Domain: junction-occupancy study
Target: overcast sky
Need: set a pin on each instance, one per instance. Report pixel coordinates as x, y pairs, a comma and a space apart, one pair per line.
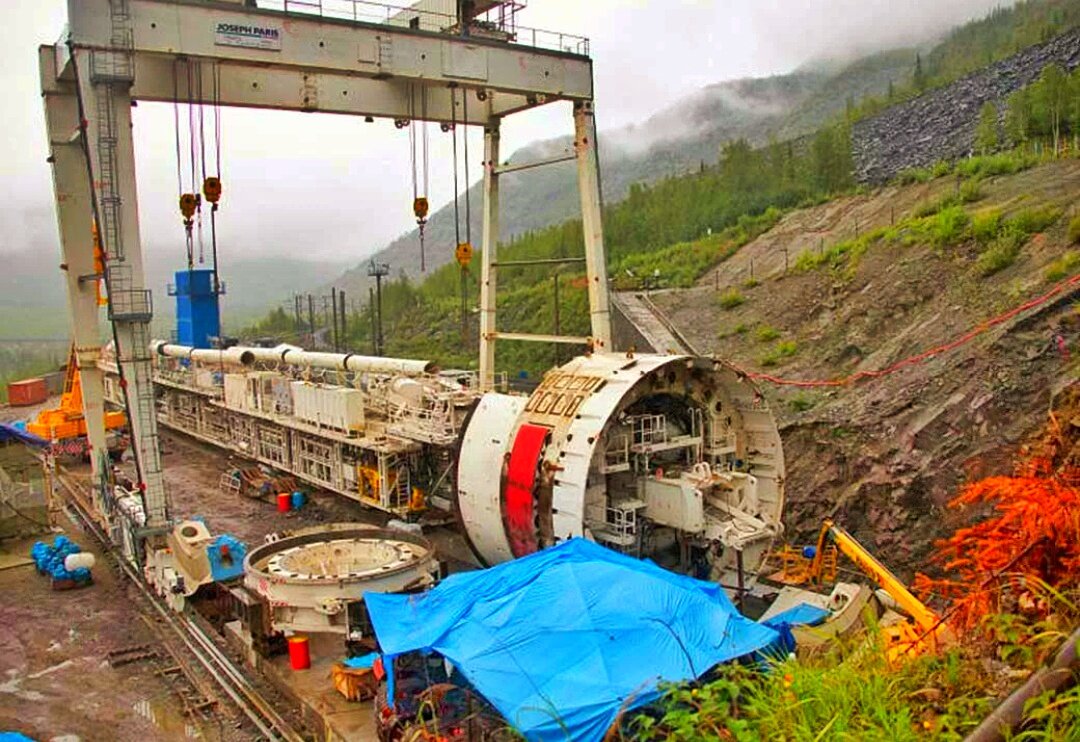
324, 186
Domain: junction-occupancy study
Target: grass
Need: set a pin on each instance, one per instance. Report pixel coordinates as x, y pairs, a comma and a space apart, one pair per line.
730, 298
766, 333
1074, 230
1036, 219
932, 206
800, 402
985, 226
1002, 251
848, 691
1005, 241
981, 166
1063, 267
941, 223
825, 697
948, 226
783, 350
971, 191
1003, 163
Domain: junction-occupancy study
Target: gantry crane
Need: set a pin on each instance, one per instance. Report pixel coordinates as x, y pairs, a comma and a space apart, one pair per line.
473, 67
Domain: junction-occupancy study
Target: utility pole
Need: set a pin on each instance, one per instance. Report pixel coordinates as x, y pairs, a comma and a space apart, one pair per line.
378, 271
333, 302
374, 322
341, 315
311, 321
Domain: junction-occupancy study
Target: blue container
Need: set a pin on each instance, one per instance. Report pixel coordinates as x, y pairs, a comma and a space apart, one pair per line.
198, 316
298, 500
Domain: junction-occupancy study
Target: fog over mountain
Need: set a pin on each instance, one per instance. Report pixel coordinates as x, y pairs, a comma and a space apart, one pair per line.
334, 190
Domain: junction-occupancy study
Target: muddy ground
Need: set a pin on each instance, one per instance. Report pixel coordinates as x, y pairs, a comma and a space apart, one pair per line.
55, 681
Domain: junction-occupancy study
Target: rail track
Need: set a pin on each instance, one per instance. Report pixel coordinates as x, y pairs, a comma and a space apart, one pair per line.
226, 675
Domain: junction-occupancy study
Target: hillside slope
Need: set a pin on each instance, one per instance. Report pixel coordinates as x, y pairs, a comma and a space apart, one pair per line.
689, 133
676, 140
883, 456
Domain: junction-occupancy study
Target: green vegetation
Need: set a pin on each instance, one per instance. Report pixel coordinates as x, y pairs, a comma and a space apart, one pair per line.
1001, 253
943, 223
1035, 220
1074, 230
986, 133
1063, 267
25, 360
1045, 110
801, 402
851, 692
784, 349
985, 226
766, 333
971, 191
730, 298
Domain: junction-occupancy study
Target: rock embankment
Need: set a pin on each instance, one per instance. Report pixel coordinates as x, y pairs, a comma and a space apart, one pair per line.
941, 123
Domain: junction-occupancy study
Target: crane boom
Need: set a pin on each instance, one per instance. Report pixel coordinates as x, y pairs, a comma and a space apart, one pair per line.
903, 639
925, 617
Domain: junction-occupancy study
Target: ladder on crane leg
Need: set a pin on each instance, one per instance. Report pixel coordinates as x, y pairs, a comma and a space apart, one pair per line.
130, 306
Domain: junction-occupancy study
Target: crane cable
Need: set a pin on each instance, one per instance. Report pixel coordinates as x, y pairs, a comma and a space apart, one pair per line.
193, 69
187, 198
212, 183
463, 250
420, 199
191, 199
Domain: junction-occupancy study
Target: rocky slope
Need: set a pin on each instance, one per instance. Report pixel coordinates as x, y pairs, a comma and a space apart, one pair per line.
940, 125
885, 456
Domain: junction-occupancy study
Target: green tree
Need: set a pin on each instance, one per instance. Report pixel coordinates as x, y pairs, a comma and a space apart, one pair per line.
1074, 107
1051, 101
1018, 117
986, 133
919, 76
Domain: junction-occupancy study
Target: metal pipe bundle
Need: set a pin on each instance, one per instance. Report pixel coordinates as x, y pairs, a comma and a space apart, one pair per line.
293, 356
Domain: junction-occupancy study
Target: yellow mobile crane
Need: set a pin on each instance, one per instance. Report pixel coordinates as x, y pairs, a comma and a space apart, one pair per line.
925, 632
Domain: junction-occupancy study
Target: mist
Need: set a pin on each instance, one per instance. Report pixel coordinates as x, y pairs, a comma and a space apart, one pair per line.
324, 187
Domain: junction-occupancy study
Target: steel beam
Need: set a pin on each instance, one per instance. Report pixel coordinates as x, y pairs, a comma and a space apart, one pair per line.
73, 215
341, 65
530, 337
592, 223
515, 167
488, 272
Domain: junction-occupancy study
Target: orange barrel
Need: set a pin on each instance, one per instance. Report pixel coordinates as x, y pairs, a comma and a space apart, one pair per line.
299, 653
284, 502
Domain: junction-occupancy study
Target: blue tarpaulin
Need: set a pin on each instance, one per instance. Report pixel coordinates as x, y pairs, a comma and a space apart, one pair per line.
12, 431
561, 641
803, 614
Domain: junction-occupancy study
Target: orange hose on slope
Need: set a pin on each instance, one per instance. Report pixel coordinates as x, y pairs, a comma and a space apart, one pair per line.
912, 360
